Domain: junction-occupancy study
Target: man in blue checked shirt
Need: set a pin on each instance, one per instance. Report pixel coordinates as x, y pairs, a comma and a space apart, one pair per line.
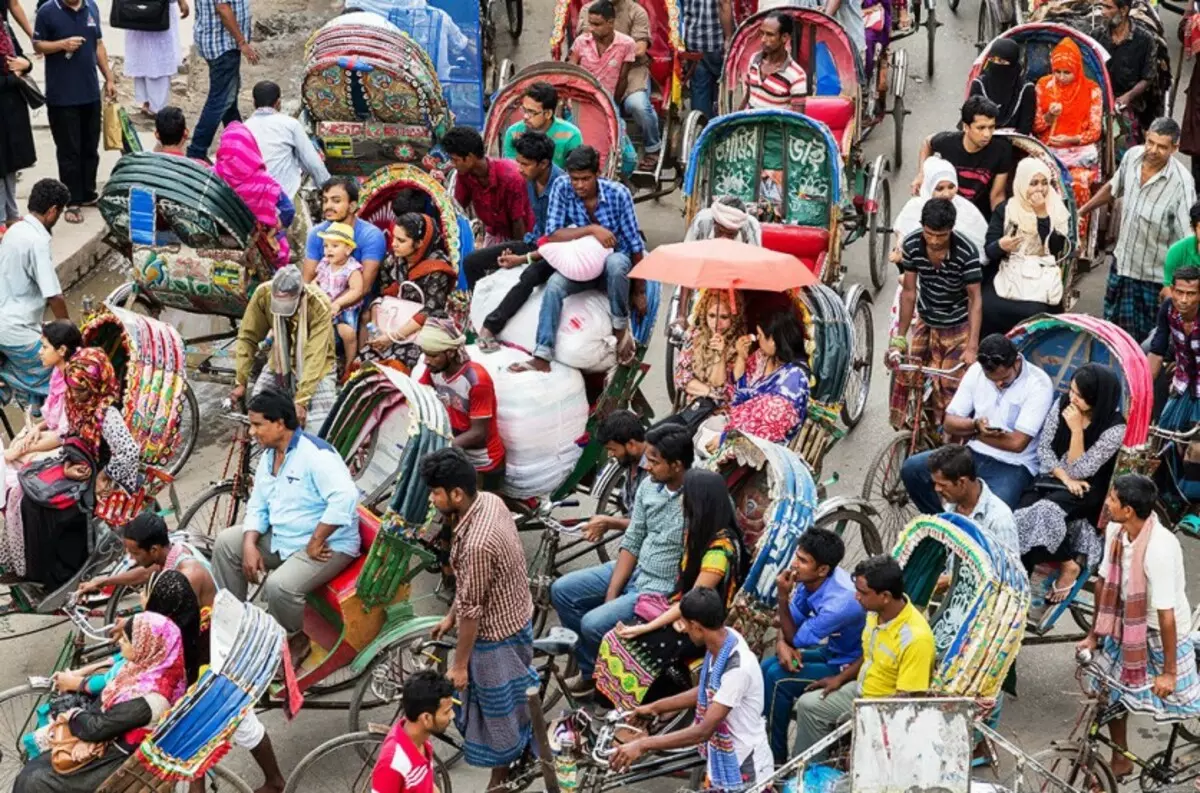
301, 521
580, 205
222, 37
820, 629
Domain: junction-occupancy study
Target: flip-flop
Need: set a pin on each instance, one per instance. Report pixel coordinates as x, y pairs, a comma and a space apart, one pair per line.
487, 343
1058, 594
73, 212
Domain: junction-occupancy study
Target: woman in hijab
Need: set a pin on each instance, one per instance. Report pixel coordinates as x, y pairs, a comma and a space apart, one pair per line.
421, 259
240, 163
1070, 108
56, 539
1033, 223
151, 679
1077, 452
1003, 82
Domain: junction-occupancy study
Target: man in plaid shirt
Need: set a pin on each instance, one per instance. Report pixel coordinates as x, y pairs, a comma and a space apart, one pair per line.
707, 29
222, 36
582, 205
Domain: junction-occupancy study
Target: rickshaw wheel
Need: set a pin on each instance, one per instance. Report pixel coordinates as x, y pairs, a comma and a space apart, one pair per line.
189, 432
858, 385
898, 112
219, 780
860, 545
16, 719
988, 26
346, 763
879, 231
1083, 611
1190, 730
1064, 763
931, 26
215, 510
884, 490
516, 17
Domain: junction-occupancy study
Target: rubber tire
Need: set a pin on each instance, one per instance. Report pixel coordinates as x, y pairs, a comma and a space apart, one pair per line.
897, 113
669, 366
515, 23
954, 6
314, 759
112, 609
225, 781
192, 513
931, 25
872, 543
8, 768
985, 31
883, 505
1053, 760
879, 232
850, 417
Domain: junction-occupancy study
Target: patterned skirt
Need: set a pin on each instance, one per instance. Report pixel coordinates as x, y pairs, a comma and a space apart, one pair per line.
650, 667
937, 348
1183, 703
494, 715
1131, 304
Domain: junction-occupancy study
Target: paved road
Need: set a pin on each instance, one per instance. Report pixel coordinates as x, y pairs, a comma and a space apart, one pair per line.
1047, 704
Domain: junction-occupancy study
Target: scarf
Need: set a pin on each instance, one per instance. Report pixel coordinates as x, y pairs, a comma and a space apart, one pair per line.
1075, 98
1187, 349
439, 334
427, 257
172, 596
724, 771
7, 48
968, 220
1002, 82
1019, 212
154, 666
287, 354
1122, 615
1101, 388
240, 163
91, 390
727, 216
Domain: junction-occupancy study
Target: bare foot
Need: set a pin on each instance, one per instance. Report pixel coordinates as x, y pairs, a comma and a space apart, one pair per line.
534, 364
1121, 766
1065, 582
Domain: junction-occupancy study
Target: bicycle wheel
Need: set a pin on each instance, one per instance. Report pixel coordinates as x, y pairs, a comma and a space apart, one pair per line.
189, 432
516, 17
858, 533
1080, 770
123, 602
215, 510
345, 764
219, 780
17, 717
858, 384
884, 490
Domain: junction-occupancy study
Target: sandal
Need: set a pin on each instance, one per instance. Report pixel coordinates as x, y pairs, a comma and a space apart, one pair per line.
487, 343
73, 214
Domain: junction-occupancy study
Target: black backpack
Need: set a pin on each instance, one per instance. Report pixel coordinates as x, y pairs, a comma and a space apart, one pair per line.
148, 15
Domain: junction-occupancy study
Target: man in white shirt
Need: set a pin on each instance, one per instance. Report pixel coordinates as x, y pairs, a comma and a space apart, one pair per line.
729, 711
1000, 405
28, 284
1143, 593
285, 148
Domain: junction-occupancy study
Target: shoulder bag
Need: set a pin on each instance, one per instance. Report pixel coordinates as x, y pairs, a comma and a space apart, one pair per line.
68, 753
46, 483
147, 15
30, 91
1024, 276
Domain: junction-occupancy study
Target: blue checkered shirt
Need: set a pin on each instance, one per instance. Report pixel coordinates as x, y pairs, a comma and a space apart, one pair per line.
702, 30
211, 37
614, 211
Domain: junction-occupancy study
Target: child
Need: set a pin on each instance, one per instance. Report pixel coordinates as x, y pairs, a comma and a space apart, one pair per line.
341, 278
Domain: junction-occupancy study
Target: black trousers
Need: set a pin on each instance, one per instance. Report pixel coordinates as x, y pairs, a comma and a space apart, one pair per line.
76, 132
482, 261
534, 276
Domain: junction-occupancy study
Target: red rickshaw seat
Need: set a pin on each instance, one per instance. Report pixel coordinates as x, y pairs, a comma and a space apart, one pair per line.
345, 582
809, 244
835, 112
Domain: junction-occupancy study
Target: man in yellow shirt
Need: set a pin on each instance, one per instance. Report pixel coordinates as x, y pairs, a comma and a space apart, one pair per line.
897, 659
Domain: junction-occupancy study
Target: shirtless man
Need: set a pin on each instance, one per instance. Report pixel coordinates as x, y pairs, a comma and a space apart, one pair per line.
151, 549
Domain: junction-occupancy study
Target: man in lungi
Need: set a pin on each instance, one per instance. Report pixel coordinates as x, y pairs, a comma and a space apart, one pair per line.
1143, 619
492, 611
1157, 192
28, 284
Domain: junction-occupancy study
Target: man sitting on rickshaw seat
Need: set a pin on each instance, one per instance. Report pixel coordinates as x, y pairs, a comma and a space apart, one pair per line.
539, 111
1001, 404
301, 521
339, 204
623, 436
302, 359
171, 131
898, 654
584, 205
774, 79
1178, 328
725, 219
952, 469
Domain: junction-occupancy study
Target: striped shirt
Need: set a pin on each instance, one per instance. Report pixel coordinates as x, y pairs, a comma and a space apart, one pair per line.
211, 37
942, 291
655, 537
489, 563
776, 89
1153, 215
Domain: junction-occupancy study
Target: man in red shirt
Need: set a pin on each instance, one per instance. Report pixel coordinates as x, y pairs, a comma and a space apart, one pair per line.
466, 389
494, 188
406, 759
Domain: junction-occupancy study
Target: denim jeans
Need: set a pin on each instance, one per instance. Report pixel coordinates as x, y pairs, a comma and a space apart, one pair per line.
782, 687
224, 82
637, 104
578, 598
1008, 482
615, 281
706, 83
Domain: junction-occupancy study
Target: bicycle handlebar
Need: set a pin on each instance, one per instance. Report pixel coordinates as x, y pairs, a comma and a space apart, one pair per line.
78, 615
1087, 663
901, 366
1180, 437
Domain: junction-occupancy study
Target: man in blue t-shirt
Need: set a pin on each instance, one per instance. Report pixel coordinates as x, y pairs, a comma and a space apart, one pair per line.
339, 198
68, 33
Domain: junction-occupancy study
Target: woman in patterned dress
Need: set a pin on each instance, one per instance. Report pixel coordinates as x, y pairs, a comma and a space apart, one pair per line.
704, 367
650, 660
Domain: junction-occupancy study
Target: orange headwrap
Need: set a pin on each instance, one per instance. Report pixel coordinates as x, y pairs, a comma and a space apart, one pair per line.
1075, 97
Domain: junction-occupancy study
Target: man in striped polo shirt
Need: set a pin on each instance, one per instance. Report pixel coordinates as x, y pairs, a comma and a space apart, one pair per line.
774, 78
941, 279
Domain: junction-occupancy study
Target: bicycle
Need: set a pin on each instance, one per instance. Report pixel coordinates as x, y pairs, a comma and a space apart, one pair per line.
1172, 506
1078, 760
883, 488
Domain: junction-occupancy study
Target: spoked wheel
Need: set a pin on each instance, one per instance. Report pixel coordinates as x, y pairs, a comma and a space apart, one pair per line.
608, 502
879, 232
122, 603
16, 718
858, 384
344, 765
516, 17
858, 533
189, 432
988, 25
931, 26
1081, 771
898, 113
693, 125
216, 509
672, 349
219, 780
884, 489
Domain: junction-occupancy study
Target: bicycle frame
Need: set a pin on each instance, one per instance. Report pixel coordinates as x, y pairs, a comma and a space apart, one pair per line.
918, 412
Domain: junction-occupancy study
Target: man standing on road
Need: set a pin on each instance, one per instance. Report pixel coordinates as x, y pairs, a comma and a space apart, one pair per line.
339, 200
28, 284
492, 612
707, 30
68, 33
981, 159
222, 36
1157, 193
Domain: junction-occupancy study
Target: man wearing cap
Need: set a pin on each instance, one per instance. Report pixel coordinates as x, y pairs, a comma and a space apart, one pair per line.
466, 389
302, 358
726, 219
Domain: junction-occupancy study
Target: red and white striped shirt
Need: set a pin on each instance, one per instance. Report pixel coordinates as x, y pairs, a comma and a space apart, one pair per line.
776, 89
402, 768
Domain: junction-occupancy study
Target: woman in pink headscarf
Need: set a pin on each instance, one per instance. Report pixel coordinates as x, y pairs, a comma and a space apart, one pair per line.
241, 165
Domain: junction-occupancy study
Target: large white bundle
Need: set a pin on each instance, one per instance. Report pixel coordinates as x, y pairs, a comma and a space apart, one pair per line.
540, 418
585, 338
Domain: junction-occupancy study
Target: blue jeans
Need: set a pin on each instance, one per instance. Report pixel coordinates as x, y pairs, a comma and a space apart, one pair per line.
637, 104
783, 687
615, 281
706, 83
224, 82
578, 598
1008, 482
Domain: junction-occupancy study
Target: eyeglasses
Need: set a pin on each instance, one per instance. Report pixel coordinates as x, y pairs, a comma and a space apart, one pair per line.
526, 111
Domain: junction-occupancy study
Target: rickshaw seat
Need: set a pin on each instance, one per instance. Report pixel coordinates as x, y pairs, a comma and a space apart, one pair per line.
344, 582
835, 112
809, 244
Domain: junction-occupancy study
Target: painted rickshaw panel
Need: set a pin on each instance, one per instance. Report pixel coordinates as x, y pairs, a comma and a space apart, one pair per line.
381, 187
581, 99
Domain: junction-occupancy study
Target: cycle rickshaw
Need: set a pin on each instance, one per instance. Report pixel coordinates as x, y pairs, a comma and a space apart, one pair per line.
788, 165
666, 55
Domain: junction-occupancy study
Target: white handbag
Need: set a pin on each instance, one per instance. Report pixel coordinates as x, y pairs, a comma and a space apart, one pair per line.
1024, 276
395, 312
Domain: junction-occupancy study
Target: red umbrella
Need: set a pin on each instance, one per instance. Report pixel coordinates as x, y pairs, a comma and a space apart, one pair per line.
723, 264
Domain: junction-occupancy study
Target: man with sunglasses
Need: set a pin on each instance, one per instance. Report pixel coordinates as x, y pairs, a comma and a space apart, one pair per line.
1000, 406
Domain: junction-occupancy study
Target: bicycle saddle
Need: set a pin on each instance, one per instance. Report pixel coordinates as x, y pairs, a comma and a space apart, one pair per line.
559, 641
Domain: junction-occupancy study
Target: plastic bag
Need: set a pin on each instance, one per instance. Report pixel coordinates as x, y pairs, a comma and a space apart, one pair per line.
113, 139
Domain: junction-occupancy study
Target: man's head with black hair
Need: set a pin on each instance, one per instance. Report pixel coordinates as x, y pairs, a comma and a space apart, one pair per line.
170, 127
538, 105
266, 94
451, 479
146, 539
583, 169
623, 436
1131, 498
1185, 291
339, 200
273, 419
952, 468
818, 553
978, 119
428, 699
999, 359
47, 200
464, 146
669, 453
879, 583
703, 613
535, 155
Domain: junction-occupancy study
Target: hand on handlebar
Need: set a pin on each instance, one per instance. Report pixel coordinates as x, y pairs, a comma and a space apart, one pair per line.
626, 755
88, 587
66, 681
443, 627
